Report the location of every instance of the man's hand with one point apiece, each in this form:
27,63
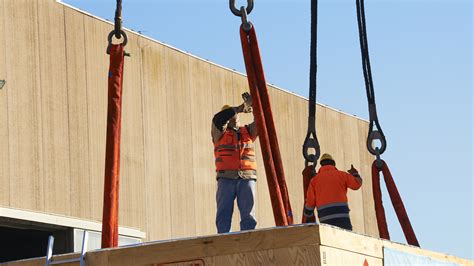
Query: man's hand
247,102
355,174
353,171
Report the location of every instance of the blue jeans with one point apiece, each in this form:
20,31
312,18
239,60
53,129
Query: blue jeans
227,191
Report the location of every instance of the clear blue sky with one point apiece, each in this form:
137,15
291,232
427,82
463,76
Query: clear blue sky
421,55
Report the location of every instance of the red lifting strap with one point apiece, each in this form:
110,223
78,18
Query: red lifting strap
268,139
307,176
396,202
112,154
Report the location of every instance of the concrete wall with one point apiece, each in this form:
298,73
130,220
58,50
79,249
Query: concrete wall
53,123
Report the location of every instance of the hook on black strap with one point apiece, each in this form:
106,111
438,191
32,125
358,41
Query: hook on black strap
237,11
311,142
111,35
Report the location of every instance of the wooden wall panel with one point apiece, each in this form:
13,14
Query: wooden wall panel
283,106
264,208
157,177
203,153
322,132
132,167
4,150
335,145
97,65
222,93
180,137
24,104
77,114
54,107
351,157
300,125
366,160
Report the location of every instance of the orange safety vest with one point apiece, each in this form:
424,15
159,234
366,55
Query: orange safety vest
235,151
330,186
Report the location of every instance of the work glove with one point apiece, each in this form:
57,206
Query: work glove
353,171
247,102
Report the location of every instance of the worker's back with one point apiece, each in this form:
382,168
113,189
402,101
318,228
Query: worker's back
331,185
328,193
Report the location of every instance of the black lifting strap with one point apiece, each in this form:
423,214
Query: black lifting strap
311,140
374,134
118,19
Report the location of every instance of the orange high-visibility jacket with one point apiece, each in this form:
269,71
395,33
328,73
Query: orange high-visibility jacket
330,186
235,151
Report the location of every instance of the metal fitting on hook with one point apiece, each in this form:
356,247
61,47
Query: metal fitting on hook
238,12
124,43
246,25
378,161
311,142
242,13
376,135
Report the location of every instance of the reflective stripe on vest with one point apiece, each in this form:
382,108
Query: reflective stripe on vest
235,153
333,211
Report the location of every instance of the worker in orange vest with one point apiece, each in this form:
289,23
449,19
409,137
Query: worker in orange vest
327,192
236,168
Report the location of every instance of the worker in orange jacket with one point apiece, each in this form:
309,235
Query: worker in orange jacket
236,168
327,192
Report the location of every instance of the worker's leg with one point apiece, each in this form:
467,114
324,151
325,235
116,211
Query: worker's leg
246,203
225,196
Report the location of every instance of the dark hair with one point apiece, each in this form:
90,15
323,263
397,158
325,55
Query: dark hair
327,162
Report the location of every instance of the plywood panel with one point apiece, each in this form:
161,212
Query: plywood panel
366,159
198,248
77,114
24,105
158,206
4,154
335,144
350,135
334,256
300,121
202,155
342,239
132,170
54,107
97,65
293,157
321,128
305,255
221,83
180,152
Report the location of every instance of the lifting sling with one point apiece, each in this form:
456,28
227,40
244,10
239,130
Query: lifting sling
264,118
114,116
377,134
311,140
